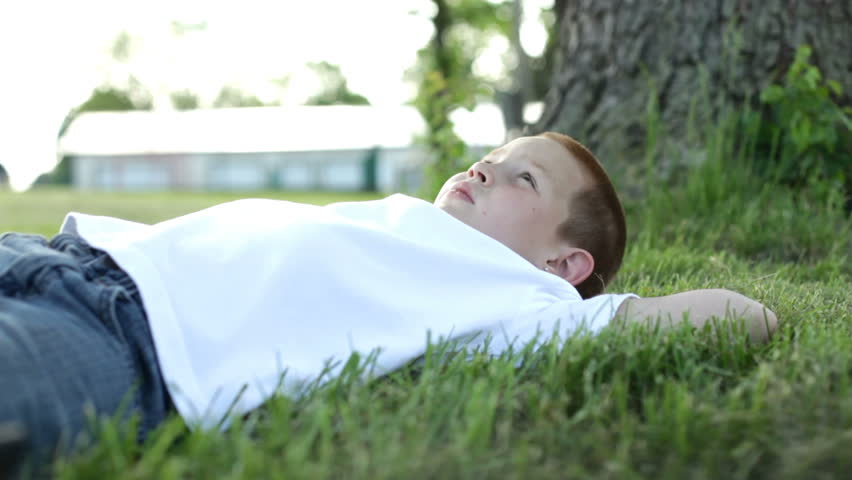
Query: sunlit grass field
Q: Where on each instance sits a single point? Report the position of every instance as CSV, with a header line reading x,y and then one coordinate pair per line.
x,y
42,210
632,403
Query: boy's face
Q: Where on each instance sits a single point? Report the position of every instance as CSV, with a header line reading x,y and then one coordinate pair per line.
x,y
518,194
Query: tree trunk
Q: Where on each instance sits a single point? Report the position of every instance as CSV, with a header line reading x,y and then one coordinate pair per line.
x,y
612,52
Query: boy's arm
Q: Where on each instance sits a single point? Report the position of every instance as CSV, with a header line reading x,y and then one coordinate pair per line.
x,y
700,306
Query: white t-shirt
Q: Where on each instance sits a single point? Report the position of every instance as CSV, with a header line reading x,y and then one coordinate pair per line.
x,y
243,292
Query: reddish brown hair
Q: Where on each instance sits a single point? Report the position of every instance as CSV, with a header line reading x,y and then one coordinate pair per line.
x,y
596,219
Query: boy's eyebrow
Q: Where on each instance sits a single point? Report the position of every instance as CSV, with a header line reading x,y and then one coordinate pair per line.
x,y
543,170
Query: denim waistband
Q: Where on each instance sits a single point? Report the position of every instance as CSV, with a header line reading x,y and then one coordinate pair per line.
x,y
96,264
65,249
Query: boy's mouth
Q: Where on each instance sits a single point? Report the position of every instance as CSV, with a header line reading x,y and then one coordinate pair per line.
x,y
462,190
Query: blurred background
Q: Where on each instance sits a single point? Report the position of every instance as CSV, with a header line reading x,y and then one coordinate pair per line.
x,y
725,124
394,95
179,71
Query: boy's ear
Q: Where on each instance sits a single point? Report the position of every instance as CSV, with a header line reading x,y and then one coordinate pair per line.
x,y
573,264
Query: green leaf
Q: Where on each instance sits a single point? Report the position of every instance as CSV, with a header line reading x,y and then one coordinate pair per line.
x,y
771,94
834,87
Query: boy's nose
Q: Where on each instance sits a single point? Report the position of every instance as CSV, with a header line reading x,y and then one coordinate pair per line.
x,y
481,172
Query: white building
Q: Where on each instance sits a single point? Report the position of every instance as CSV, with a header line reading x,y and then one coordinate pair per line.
x,y
333,148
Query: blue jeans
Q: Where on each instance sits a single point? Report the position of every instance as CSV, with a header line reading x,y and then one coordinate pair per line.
x,y
74,341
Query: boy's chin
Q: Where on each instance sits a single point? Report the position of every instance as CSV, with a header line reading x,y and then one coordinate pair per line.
x,y
454,210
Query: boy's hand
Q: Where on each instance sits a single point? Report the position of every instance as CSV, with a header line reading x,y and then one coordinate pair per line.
x,y
698,307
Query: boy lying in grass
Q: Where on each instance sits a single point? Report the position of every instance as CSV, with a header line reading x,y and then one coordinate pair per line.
x,y
204,313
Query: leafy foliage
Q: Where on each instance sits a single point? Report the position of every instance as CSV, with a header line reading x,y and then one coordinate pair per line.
x,y
446,80
334,90
232,97
184,100
807,134
107,98
435,100
59,175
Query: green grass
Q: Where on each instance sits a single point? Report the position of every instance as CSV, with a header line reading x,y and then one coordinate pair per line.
x,y
42,210
634,403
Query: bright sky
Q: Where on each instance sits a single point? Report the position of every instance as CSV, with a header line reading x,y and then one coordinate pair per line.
x,y
53,53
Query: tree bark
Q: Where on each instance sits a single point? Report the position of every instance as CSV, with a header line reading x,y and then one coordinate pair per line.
x,y
613,54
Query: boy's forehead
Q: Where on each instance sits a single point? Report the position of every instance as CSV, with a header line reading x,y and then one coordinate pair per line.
x,y
514,144
532,147
552,158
